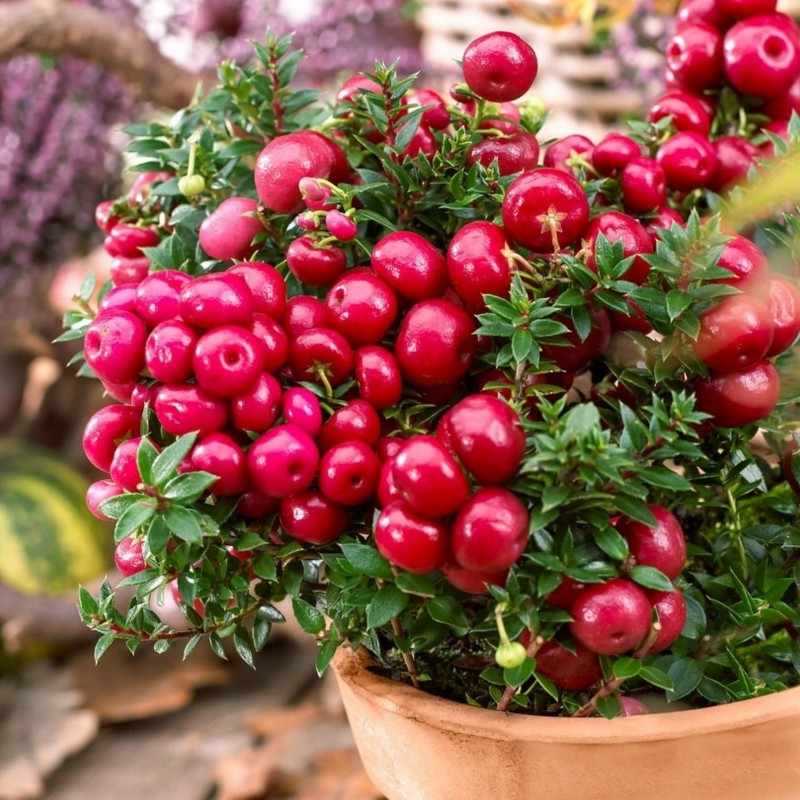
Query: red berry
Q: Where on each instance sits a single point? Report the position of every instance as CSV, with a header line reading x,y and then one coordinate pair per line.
x,y
361,307
321,352
429,479
105,429
103,217
671,608
662,545
128,270
709,11
357,421
127,241
227,233
274,339
478,264
142,187
315,194
514,153
313,264
114,346
217,299
348,473
220,455
472,581
435,345
97,493
694,55
487,438
644,185
267,287
575,355
258,407
410,541
613,152
783,297
491,531
341,226
564,153
228,360
687,111
158,296
312,518
120,298
762,58
169,350
422,143
734,334
128,556
688,161
617,227
387,490
506,122
563,596
303,313
570,672
738,398
499,66
124,469
283,461
301,408
735,157
544,206
378,376
184,408
746,261
611,618
411,265
255,505
435,116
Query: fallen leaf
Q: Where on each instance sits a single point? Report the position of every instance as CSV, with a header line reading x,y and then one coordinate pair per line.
x,y
123,687
43,723
275,721
337,775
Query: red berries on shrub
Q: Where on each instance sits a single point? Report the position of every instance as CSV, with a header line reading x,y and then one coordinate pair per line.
x,y
499,66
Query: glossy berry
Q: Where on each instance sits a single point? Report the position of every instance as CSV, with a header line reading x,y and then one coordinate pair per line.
x,y
114,346
510,655
267,287
694,55
127,241
709,11
747,263
124,469
739,398
741,9
283,461
565,153
169,350
411,265
341,226
315,265
563,596
688,161
378,376
217,299
486,437
220,455
644,185
435,345
105,429
514,153
762,58
662,545
227,233
410,541
158,296
473,581
103,216
735,157
671,608
228,360
302,313
128,270
321,352
361,307
477,263
636,242
544,207
686,111
491,531
348,473
256,505
357,421
312,518
499,66
274,340
783,298
184,408
128,556
734,334
613,152
120,298
435,116
611,618
97,493
258,407
302,409
428,478
570,672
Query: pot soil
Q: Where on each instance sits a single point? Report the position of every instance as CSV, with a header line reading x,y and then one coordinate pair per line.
x,y
419,747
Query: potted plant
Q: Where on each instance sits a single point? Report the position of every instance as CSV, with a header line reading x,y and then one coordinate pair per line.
x,y
508,432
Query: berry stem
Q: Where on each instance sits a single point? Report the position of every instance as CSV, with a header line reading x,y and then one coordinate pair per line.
x,y
511,691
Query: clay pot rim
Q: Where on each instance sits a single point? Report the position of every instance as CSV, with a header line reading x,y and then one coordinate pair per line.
x,y
460,718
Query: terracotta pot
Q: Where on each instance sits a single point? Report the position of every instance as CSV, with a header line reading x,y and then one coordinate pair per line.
x,y
418,747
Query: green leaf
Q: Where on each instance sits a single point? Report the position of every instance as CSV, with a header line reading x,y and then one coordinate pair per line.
x,y
554,496
521,343
611,542
103,643
189,487
115,507
243,646
625,668
388,602
446,609
308,617
262,627
191,645
651,578
184,523
166,464
686,674
146,455
133,519
264,567
581,419
518,675
86,603
157,535
677,303
367,560
420,585
609,707
635,509
327,650
665,478
656,677
695,626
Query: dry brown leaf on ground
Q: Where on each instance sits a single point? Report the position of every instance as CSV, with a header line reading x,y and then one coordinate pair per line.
x,y
123,687
271,722
43,722
337,775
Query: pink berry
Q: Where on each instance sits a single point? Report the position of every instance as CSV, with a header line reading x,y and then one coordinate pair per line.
x,y
227,234
114,346
228,360
499,66
283,461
